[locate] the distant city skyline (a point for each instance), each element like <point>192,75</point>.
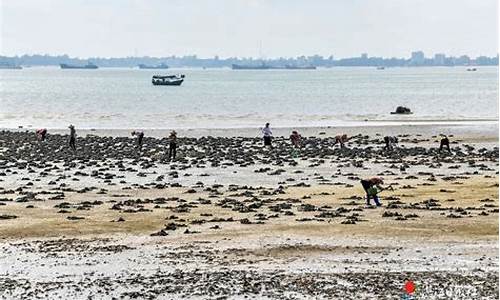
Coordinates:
<point>416,59</point>
<point>253,28</point>
<point>415,55</point>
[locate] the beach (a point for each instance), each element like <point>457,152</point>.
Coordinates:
<point>231,219</point>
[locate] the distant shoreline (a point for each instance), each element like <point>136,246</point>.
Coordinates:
<point>488,130</point>
<point>416,59</point>
<point>251,70</point>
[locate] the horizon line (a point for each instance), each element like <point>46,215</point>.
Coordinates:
<point>240,57</point>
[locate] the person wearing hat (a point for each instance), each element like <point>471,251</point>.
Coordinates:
<point>172,149</point>
<point>372,187</point>
<point>72,137</point>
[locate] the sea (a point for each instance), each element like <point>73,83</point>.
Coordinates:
<point>124,98</point>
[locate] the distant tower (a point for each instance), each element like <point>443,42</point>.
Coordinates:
<point>439,59</point>
<point>417,58</point>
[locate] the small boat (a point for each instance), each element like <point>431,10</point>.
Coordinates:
<point>471,69</point>
<point>168,79</point>
<point>87,66</point>
<point>381,68</point>
<point>160,66</point>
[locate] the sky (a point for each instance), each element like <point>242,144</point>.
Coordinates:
<point>256,28</point>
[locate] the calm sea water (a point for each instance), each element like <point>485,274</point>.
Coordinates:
<point>222,98</point>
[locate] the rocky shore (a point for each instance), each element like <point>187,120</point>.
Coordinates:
<point>229,218</point>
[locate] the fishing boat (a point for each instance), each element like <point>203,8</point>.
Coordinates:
<point>160,66</point>
<point>87,66</point>
<point>471,69</point>
<point>168,79</point>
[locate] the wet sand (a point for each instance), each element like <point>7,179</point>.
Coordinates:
<point>230,219</point>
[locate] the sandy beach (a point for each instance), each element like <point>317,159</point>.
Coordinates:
<point>230,219</point>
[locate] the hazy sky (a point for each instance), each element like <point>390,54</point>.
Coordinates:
<point>255,28</point>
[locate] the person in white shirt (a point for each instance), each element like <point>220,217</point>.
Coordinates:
<point>268,134</point>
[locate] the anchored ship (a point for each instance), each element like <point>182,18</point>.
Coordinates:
<point>87,66</point>
<point>160,66</point>
<point>268,67</point>
<point>251,67</point>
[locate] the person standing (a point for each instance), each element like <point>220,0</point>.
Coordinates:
<point>140,137</point>
<point>268,135</point>
<point>295,138</point>
<point>390,141</point>
<point>172,148</point>
<point>372,187</point>
<point>72,137</point>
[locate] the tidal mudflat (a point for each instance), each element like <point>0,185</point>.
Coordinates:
<point>231,219</point>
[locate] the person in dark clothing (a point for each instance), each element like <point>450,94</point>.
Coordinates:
<point>341,139</point>
<point>390,141</point>
<point>372,186</point>
<point>295,138</point>
<point>72,137</point>
<point>172,149</point>
<point>268,135</point>
<point>445,142</point>
<point>140,137</point>
<point>41,134</point>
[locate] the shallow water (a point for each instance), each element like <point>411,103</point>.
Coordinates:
<point>222,98</point>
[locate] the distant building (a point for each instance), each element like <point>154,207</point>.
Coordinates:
<point>463,60</point>
<point>417,58</point>
<point>439,59</point>
<point>364,56</point>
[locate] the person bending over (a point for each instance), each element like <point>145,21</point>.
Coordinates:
<point>41,134</point>
<point>372,187</point>
<point>341,139</point>
<point>445,143</point>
